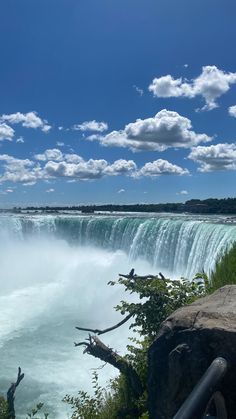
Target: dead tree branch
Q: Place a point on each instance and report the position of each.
(100, 332)
(144, 276)
(98, 349)
(11, 394)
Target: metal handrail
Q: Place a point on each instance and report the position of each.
(195, 405)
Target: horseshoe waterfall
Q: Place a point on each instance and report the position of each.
(54, 271)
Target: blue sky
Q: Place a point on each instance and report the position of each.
(117, 101)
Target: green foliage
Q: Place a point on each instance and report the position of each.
(104, 404)
(207, 206)
(225, 270)
(3, 408)
(37, 409)
(156, 299)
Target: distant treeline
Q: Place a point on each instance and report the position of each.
(195, 206)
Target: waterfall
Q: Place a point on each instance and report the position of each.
(54, 271)
(177, 245)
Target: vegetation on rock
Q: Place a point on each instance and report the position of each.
(225, 270)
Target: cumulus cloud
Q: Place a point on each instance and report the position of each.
(85, 170)
(19, 170)
(91, 169)
(121, 191)
(121, 167)
(232, 111)
(73, 158)
(166, 129)
(50, 154)
(91, 126)
(53, 164)
(6, 132)
(160, 167)
(210, 85)
(28, 120)
(215, 157)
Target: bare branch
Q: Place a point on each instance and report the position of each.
(81, 344)
(100, 332)
(143, 276)
(98, 349)
(11, 394)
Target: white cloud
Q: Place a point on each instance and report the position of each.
(138, 90)
(167, 86)
(9, 190)
(73, 167)
(121, 167)
(50, 190)
(73, 158)
(6, 132)
(28, 120)
(91, 169)
(160, 167)
(29, 183)
(60, 144)
(121, 191)
(91, 126)
(215, 157)
(183, 192)
(19, 170)
(166, 129)
(20, 140)
(50, 154)
(232, 111)
(210, 84)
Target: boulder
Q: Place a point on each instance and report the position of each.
(188, 341)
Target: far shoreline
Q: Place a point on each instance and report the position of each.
(225, 206)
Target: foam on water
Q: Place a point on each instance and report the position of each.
(47, 288)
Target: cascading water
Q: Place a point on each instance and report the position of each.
(176, 244)
(54, 271)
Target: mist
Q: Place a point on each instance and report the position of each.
(47, 288)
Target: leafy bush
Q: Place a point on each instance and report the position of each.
(156, 300)
(3, 408)
(102, 405)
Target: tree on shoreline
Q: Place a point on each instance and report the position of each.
(158, 298)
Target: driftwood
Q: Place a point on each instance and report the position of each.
(11, 394)
(98, 349)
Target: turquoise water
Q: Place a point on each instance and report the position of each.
(179, 245)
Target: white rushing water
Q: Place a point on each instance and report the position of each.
(54, 273)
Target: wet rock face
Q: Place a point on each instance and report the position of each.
(189, 340)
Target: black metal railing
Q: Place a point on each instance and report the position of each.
(195, 405)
